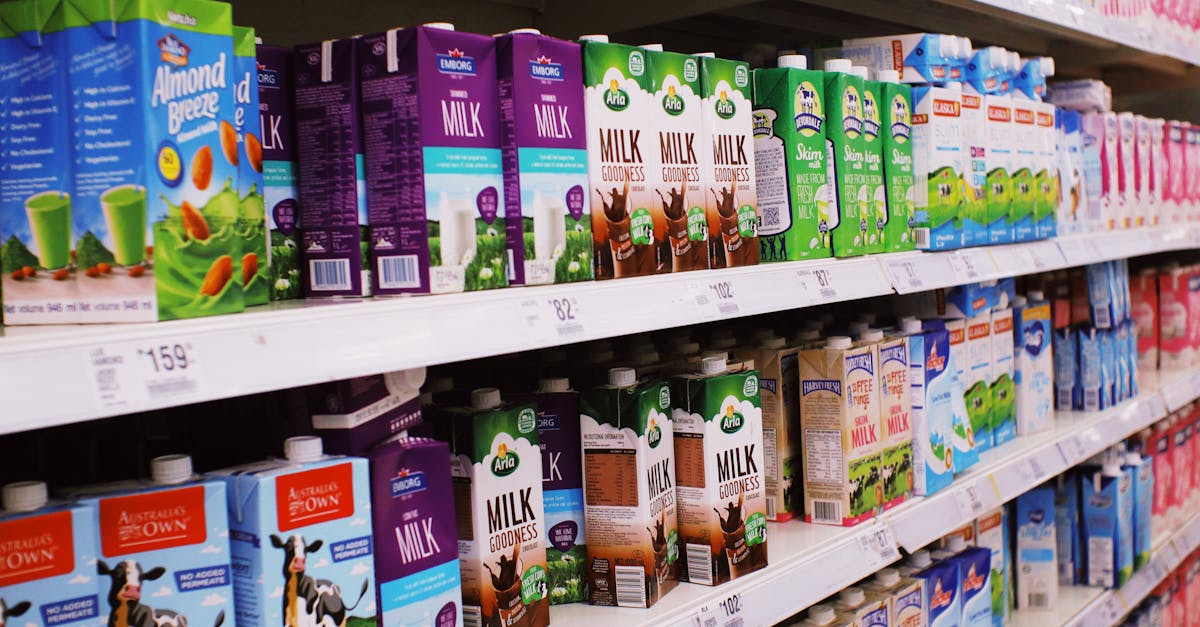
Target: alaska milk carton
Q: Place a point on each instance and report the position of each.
(39, 277)
(840, 430)
(168, 539)
(778, 378)
(300, 530)
(354, 415)
(155, 208)
(977, 392)
(941, 599)
(417, 578)
(974, 137)
(938, 166)
(932, 410)
(629, 491)
(897, 163)
(543, 145)
(1024, 169)
(719, 473)
(846, 150)
(919, 57)
(1036, 567)
(277, 119)
(975, 586)
(1004, 420)
(728, 176)
(895, 413)
(252, 268)
(332, 174)
(993, 535)
(874, 189)
(1033, 367)
(1046, 179)
(797, 192)
(964, 441)
(435, 187)
(1000, 130)
(49, 553)
(627, 219)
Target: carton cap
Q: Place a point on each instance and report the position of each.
(652, 47)
(821, 614)
(1133, 458)
(524, 31)
(851, 597)
(1047, 66)
(1014, 61)
(808, 335)
(554, 384)
(888, 76)
(774, 342)
(721, 354)
(797, 61)
(439, 25)
(956, 544)
(172, 469)
(600, 39)
(687, 348)
(24, 496)
(888, 577)
(839, 342)
(1036, 295)
(965, 47)
(622, 377)
(858, 326)
(1019, 302)
(707, 55)
(954, 86)
(303, 448)
(940, 554)
(871, 336)
(838, 65)
(910, 326)
(861, 72)
(920, 559)
(485, 398)
(712, 365)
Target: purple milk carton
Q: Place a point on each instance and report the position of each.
(353, 415)
(432, 123)
(417, 574)
(544, 148)
(277, 101)
(329, 140)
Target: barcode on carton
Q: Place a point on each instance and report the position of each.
(329, 274)
(921, 237)
(631, 586)
(398, 272)
(472, 616)
(699, 564)
(827, 511)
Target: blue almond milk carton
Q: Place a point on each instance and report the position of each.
(932, 411)
(1036, 567)
(164, 547)
(48, 552)
(975, 586)
(940, 583)
(252, 213)
(435, 188)
(276, 103)
(300, 530)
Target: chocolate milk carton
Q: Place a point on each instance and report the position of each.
(778, 378)
(840, 428)
(845, 148)
(277, 119)
(252, 268)
(719, 473)
(547, 212)
(300, 530)
(730, 197)
(49, 552)
(629, 491)
(896, 104)
(627, 223)
(434, 182)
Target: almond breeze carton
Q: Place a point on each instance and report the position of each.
(729, 186)
(277, 119)
(796, 189)
(629, 491)
(300, 530)
(938, 166)
(845, 148)
(39, 278)
(252, 268)
(544, 148)
(155, 208)
(49, 552)
(897, 162)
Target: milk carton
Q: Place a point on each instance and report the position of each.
(975, 139)
(544, 150)
(932, 410)
(977, 393)
(1192, 164)
(846, 151)
(964, 441)
(49, 550)
(1067, 529)
(170, 106)
(1000, 139)
(354, 415)
(1112, 208)
(297, 524)
(840, 428)
(988, 80)
(1176, 320)
(1004, 420)
(1033, 366)
(1144, 197)
(1045, 215)
(1024, 169)
(174, 531)
(875, 191)
(437, 218)
(416, 560)
(993, 536)
(895, 411)
(941, 597)
(975, 585)
(277, 119)
(252, 268)
(1157, 171)
(729, 185)
(1127, 169)
(1094, 170)
(629, 491)
(39, 279)
(1066, 369)
(1142, 473)
(778, 378)
(1036, 576)
(919, 57)
(797, 190)
(938, 166)
(332, 175)
(1106, 508)
(897, 162)
(1074, 213)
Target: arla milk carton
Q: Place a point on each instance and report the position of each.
(730, 195)
(1004, 420)
(435, 190)
(300, 530)
(874, 190)
(1033, 365)
(49, 552)
(966, 453)
(977, 394)
(276, 101)
(797, 192)
(896, 103)
(895, 413)
(156, 213)
(39, 275)
(353, 415)
(941, 597)
(778, 381)
(846, 150)
(252, 268)
(164, 546)
(417, 577)
(938, 166)
(544, 149)
(627, 223)
(629, 491)
(719, 462)
(932, 410)
(1036, 567)
(840, 429)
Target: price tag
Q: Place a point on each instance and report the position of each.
(969, 501)
(728, 612)
(724, 297)
(560, 318)
(1111, 610)
(1073, 449)
(919, 272)
(1046, 256)
(972, 264)
(1032, 472)
(137, 374)
(879, 546)
(1077, 251)
(817, 285)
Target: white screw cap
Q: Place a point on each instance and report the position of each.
(851, 597)
(712, 365)
(888, 577)
(439, 25)
(554, 384)
(600, 39)
(303, 448)
(920, 559)
(1037, 295)
(524, 31)
(838, 342)
(171, 469)
(622, 377)
(888, 76)
(861, 72)
(1019, 302)
(797, 61)
(956, 544)
(871, 336)
(485, 398)
(24, 496)
(821, 614)
(1048, 66)
(838, 65)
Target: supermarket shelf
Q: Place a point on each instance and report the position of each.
(109, 370)
(1071, 601)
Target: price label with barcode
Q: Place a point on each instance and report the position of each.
(728, 612)
(906, 275)
(972, 264)
(817, 285)
(878, 546)
(1112, 610)
(138, 374)
(558, 317)
(970, 501)
(1077, 251)
(1073, 450)
(724, 297)
(1032, 471)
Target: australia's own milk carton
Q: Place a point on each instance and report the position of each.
(39, 272)
(778, 378)
(932, 410)
(155, 206)
(730, 199)
(874, 190)
(897, 162)
(435, 191)
(277, 119)
(719, 473)
(1036, 574)
(1004, 419)
(797, 192)
(964, 441)
(252, 269)
(840, 429)
(977, 393)
(846, 150)
(895, 413)
(49, 552)
(938, 166)
(629, 491)
(300, 530)
(417, 577)
(1033, 366)
(942, 600)
(164, 546)
(332, 173)
(353, 415)
(547, 212)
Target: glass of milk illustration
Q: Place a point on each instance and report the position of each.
(457, 230)
(549, 226)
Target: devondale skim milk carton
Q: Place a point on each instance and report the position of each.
(796, 190)
(629, 491)
(846, 151)
(276, 98)
(897, 162)
(874, 189)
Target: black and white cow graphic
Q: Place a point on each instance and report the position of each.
(125, 598)
(7, 612)
(309, 602)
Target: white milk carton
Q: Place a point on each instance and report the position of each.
(1033, 365)
(938, 166)
(1157, 163)
(1036, 564)
(977, 393)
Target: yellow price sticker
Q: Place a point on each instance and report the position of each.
(170, 166)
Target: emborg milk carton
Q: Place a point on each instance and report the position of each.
(544, 151)
(895, 413)
(845, 147)
(1036, 567)
(932, 410)
(797, 192)
(875, 192)
(277, 119)
(897, 164)
(778, 380)
(1004, 420)
(975, 170)
(354, 415)
(301, 526)
(252, 268)
(1033, 368)
(938, 166)
(977, 393)
(728, 176)
(49, 552)
(629, 491)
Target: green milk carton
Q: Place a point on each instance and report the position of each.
(796, 191)
(847, 150)
(252, 212)
(897, 162)
(874, 189)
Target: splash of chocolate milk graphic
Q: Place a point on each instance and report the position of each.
(511, 610)
(738, 251)
(685, 254)
(658, 542)
(742, 557)
(628, 258)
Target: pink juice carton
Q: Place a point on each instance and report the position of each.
(1143, 297)
(1175, 319)
(1173, 177)
(1126, 170)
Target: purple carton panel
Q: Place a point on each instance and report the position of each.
(353, 415)
(277, 101)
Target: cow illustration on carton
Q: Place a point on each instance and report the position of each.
(125, 597)
(313, 600)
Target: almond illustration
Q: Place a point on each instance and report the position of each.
(249, 268)
(61, 274)
(137, 271)
(229, 142)
(29, 271)
(202, 167)
(92, 272)
(218, 275)
(194, 224)
(104, 267)
(254, 151)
